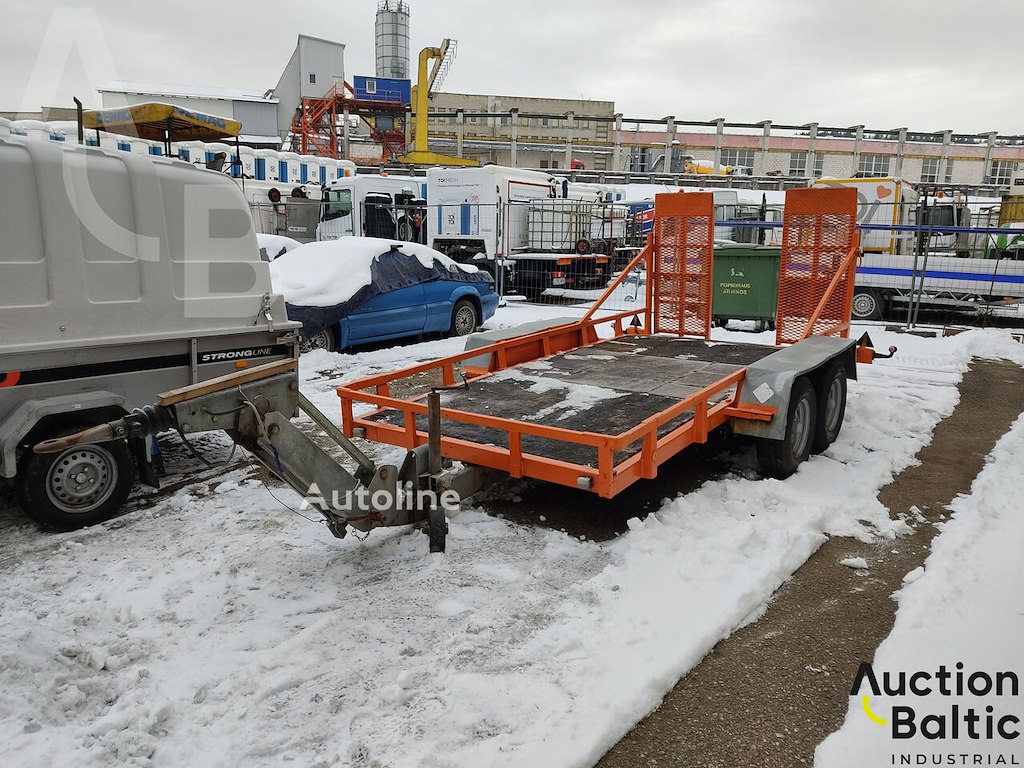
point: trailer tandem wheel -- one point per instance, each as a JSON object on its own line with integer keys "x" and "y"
{"x": 780, "y": 458}
{"x": 831, "y": 396}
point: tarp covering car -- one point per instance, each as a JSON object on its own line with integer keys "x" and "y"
{"x": 336, "y": 277}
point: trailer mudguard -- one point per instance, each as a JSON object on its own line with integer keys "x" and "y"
{"x": 30, "y": 412}
{"x": 769, "y": 381}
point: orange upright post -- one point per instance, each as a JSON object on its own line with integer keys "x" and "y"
{"x": 684, "y": 241}
{"x": 817, "y": 270}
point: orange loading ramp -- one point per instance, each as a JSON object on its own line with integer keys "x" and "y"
{"x": 600, "y": 411}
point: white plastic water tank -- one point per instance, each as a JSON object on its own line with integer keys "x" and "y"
{"x": 289, "y": 168}
{"x": 266, "y": 164}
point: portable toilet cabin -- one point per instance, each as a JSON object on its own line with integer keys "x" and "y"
{"x": 32, "y": 129}
{"x": 288, "y": 168}
{"x": 248, "y": 168}
{"x": 216, "y": 148}
{"x": 346, "y": 168}
{"x": 192, "y": 151}
{"x": 138, "y": 146}
{"x": 309, "y": 169}
{"x": 57, "y": 132}
{"x": 266, "y": 165}
{"x": 156, "y": 148}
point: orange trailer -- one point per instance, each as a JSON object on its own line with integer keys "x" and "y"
{"x": 602, "y": 402}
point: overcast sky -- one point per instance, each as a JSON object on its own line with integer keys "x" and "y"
{"x": 925, "y": 64}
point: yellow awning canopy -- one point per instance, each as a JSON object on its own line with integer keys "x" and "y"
{"x": 161, "y": 122}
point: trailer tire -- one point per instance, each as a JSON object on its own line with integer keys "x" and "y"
{"x": 437, "y": 529}
{"x": 76, "y": 487}
{"x": 780, "y": 458}
{"x": 831, "y": 406}
{"x": 867, "y": 304}
{"x": 465, "y": 318}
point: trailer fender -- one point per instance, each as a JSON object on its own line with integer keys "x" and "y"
{"x": 769, "y": 381}
{"x": 23, "y": 419}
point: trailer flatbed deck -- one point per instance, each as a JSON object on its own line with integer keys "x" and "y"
{"x": 609, "y": 387}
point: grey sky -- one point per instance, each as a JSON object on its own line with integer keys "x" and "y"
{"x": 925, "y": 64}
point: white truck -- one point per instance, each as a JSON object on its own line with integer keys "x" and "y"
{"x": 953, "y": 271}
{"x": 121, "y": 276}
{"x": 483, "y": 216}
{"x": 374, "y": 205}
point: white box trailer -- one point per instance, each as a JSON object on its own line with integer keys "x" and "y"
{"x": 121, "y": 276}
{"x": 482, "y": 211}
{"x": 887, "y": 201}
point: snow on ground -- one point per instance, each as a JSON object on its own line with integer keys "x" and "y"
{"x": 965, "y": 607}
{"x": 218, "y": 628}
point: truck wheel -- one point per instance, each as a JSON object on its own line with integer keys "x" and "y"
{"x": 464, "y": 318}
{"x": 831, "y": 406}
{"x": 780, "y": 458}
{"x": 77, "y": 487}
{"x": 320, "y": 340}
{"x": 867, "y": 304}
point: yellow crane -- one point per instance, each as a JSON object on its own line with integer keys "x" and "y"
{"x": 420, "y": 96}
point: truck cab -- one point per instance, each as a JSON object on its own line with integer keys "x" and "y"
{"x": 373, "y": 205}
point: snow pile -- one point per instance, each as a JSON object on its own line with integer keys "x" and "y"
{"x": 329, "y": 273}
{"x": 964, "y": 607}
{"x": 218, "y": 628}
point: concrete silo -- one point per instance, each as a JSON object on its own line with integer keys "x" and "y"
{"x": 393, "y": 39}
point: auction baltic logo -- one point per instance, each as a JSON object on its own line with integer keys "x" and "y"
{"x": 987, "y": 726}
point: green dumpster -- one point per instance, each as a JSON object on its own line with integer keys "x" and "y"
{"x": 745, "y": 284}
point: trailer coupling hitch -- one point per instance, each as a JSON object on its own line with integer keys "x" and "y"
{"x": 866, "y": 351}
{"x": 141, "y": 422}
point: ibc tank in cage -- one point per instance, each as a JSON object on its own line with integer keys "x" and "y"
{"x": 393, "y": 39}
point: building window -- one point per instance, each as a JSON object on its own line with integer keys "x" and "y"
{"x": 312, "y": 79}
{"x": 930, "y": 170}
{"x": 504, "y": 119}
{"x": 738, "y": 158}
{"x": 798, "y": 164}
{"x": 543, "y": 163}
{"x": 949, "y": 171}
{"x": 873, "y": 166}
{"x": 371, "y": 86}
{"x": 1001, "y": 172}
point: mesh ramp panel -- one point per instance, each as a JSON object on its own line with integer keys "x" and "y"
{"x": 818, "y": 231}
{"x": 684, "y": 239}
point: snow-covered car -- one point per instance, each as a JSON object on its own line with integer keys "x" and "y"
{"x": 272, "y": 246}
{"x": 363, "y": 290}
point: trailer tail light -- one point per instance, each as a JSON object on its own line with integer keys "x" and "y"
{"x": 558, "y": 278}
{"x": 563, "y": 262}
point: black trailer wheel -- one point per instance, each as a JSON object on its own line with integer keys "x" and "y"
{"x": 831, "y": 398}
{"x": 780, "y": 458}
{"x": 867, "y": 304}
{"x": 77, "y": 487}
{"x": 437, "y": 530}
{"x": 465, "y": 318}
